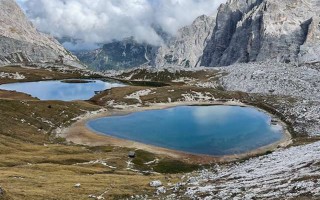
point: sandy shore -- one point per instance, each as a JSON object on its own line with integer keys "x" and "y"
{"x": 79, "y": 133}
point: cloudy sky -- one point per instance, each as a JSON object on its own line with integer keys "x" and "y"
{"x": 101, "y": 21}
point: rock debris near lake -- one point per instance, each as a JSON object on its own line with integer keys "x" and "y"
{"x": 15, "y": 76}
{"x": 156, "y": 183}
{"x": 287, "y": 173}
{"x": 302, "y": 83}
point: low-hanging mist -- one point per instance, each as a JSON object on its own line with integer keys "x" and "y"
{"x": 102, "y": 21}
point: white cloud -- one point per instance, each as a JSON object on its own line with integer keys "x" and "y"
{"x": 100, "y": 21}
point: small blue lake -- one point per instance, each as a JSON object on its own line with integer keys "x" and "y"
{"x": 60, "y": 90}
{"x": 210, "y": 130}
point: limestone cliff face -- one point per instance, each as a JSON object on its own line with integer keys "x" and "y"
{"x": 260, "y": 30}
{"x": 185, "y": 49}
{"x": 244, "y": 31}
{"x": 310, "y": 50}
{"x": 20, "y": 42}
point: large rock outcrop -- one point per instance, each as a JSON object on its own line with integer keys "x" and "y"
{"x": 185, "y": 49}
{"x": 20, "y": 42}
{"x": 261, "y": 30}
{"x": 310, "y": 50}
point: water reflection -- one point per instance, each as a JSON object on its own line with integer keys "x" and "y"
{"x": 224, "y": 114}
{"x": 203, "y": 115}
{"x": 57, "y": 90}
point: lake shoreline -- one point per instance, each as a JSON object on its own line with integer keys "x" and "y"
{"x": 61, "y": 90}
{"x": 80, "y": 133}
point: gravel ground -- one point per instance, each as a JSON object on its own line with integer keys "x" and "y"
{"x": 302, "y": 83}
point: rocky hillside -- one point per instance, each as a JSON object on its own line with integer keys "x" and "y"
{"x": 118, "y": 55}
{"x": 286, "y": 174}
{"x": 260, "y": 30}
{"x": 186, "y": 48}
{"x": 20, "y": 42}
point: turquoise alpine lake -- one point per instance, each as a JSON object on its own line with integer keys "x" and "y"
{"x": 66, "y": 90}
{"x": 209, "y": 130}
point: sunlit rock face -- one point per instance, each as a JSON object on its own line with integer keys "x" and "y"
{"x": 248, "y": 31}
{"x": 260, "y": 30}
{"x": 186, "y": 48}
{"x": 21, "y": 42}
{"x": 309, "y": 51}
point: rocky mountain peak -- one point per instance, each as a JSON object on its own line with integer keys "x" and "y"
{"x": 20, "y": 42}
{"x": 185, "y": 49}
{"x": 17, "y": 27}
{"x": 309, "y": 51}
{"x": 260, "y": 30}
{"x": 241, "y": 31}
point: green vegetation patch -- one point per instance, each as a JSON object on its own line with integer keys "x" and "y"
{"x": 101, "y": 149}
{"x": 169, "y": 166}
{"x": 141, "y": 158}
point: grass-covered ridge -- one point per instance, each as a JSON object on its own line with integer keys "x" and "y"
{"x": 35, "y": 164}
{"x": 28, "y": 74}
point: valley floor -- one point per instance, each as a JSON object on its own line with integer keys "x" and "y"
{"x": 35, "y": 164}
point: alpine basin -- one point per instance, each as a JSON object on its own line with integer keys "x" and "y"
{"x": 209, "y": 130}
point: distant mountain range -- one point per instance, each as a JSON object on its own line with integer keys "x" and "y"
{"x": 183, "y": 50}
{"x": 242, "y": 31}
{"x": 118, "y": 55}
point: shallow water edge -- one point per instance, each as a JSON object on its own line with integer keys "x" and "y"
{"x": 79, "y": 133}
